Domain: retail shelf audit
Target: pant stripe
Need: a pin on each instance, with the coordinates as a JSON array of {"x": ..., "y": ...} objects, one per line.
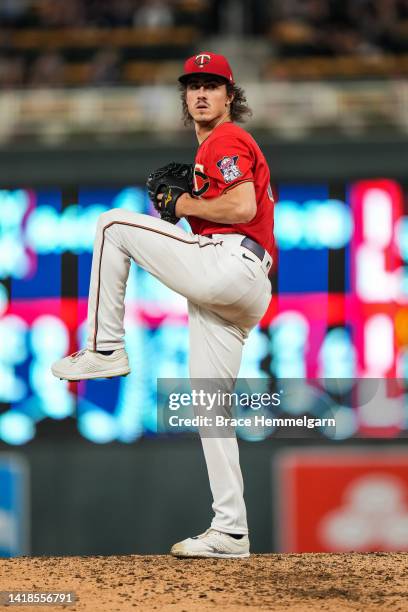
[{"x": 150, "y": 229}]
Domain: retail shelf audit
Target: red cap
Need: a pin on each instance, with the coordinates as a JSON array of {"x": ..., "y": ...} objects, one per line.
[{"x": 207, "y": 63}]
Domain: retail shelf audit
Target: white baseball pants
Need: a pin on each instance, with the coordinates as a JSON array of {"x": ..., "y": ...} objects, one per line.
[{"x": 227, "y": 295}]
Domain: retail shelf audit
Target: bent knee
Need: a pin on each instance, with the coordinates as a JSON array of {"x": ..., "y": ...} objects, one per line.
[
  {"x": 120, "y": 216},
  {"x": 109, "y": 217}
]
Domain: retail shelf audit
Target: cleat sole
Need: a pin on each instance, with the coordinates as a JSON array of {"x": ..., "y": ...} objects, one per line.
[{"x": 101, "y": 377}]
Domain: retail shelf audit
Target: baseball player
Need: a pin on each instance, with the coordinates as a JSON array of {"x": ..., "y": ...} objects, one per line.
[{"x": 221, "y": 267}]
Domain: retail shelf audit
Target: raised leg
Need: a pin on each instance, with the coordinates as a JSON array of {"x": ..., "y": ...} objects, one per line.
[{"x": 180, "y": 260}]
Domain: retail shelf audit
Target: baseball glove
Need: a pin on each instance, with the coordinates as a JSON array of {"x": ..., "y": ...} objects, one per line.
[{"x": 172, "y": 181}]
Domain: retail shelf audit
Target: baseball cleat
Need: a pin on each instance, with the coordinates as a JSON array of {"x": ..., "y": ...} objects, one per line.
[
  {"x": 86, "y": 365},
  {"x": 212, "y": 543}
]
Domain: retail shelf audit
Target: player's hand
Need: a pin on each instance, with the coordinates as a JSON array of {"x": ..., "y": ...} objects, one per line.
[
  {"x": 179, "y": 203},
  {"x": 166, "y": 185}
]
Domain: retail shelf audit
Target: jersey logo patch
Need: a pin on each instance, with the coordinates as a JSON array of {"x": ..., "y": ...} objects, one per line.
[{"x": 229, "y": 168}]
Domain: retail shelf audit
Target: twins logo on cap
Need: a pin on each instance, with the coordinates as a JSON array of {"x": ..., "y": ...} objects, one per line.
[
  {"x": 202, "y": 59},
  {"x": 207, "y": 63}
]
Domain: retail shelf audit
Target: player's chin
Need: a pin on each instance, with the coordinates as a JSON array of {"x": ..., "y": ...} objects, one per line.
[{"x": 203, "y": 116}]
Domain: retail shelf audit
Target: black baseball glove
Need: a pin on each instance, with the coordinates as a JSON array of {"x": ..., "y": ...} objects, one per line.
[{"x": 172, "y": 181}]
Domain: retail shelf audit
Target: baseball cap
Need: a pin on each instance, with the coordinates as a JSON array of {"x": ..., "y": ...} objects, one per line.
[{"x": 207, "y": 63}]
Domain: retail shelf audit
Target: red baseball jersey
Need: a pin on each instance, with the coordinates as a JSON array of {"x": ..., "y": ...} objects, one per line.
[{"x": 227, "y": 157}]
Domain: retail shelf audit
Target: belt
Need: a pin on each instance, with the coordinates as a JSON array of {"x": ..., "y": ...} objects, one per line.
[
  {"x": 256, "y": 249},
  {"x": 259, "y": 252}
]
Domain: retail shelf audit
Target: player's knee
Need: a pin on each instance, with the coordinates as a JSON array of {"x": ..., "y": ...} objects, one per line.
[{"x": 107, "y": 218}]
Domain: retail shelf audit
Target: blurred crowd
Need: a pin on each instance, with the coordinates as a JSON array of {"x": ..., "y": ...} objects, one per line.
[
  {"x": 52, "y": 61},
  {"x": 339, "y": 27},
  {"x": 89, "y": 13},
  {"x": 67, "y": 42}
]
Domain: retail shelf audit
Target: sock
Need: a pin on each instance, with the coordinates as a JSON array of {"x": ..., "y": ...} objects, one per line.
[
  {"x": 236, "y": 536},
  {"x": 105, "y": 352}
]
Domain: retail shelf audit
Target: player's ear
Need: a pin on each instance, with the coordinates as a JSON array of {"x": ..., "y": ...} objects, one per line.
[
  {"x": 229, "y": 100},
  {"x": 230, "y": 96}
]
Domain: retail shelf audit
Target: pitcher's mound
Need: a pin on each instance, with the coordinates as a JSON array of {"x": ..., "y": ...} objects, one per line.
[{"x": 298, "y": 582}]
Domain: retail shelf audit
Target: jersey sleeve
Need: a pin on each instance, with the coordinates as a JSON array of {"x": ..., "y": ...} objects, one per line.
[{"x": 231, "y": 163}]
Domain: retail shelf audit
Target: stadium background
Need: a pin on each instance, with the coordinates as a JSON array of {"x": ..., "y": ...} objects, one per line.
[{"x": 88, "y": 108}]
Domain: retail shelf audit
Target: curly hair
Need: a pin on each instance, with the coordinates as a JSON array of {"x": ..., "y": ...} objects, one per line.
[{"x": 239, "y": 109}]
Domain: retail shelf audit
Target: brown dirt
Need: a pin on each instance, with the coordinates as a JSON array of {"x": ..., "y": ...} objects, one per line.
[{"x": 290, "y": 582}]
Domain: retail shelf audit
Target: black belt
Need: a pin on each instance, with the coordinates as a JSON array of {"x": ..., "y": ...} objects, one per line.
[
  {"x": 254, "y": 247},
  {"x": 257, "y": 250},
  {"x": 249, "y": 244}
]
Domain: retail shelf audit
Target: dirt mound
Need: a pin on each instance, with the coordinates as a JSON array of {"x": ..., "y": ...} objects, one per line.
[{"x": 298, "y": 582}]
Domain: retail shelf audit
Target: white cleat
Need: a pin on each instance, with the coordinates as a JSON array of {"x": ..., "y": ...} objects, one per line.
[
  {"x": 86, "y": 364},
  {"x": 212, "y": 543}
]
